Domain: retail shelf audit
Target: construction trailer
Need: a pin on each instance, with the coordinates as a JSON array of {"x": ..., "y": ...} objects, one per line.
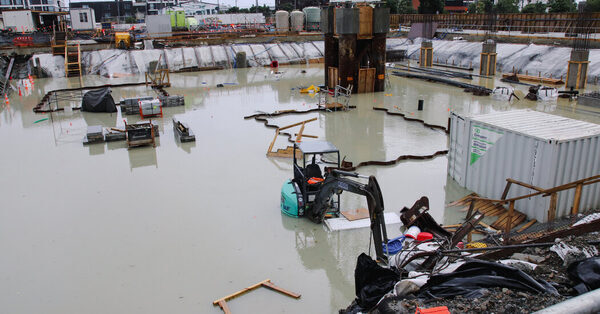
[
  {"x": 355, "y": 44},
  {"x": 82, "y": 19},
  {"x": 19, "y": 21},
  {"x": 28, "y": 21}
]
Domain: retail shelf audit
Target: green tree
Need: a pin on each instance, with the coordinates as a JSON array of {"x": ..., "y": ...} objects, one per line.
[
  {"x": 285, "y": 6},
  {"x": 507, "y": 6},
  {"x": 431, "y": 7},
  {"x": 481, "y": 6},
  {"x": 233, "y": 10},
  {"x": 592, "y": 6},
  {"x": 558, "y": 6},
  {"x": 400, "y": 7},
  {"x": 264, "y": 9},
  {"x": 537, "y": 7}
]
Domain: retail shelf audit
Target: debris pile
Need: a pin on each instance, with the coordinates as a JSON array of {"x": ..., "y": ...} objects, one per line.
[{"x": 438, "y": 270}]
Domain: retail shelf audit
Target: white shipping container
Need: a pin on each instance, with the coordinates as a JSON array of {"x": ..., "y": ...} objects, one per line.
[
  {"x": 537, "y": 148},
  {"x": 158, "y": 25},
  {"x": 18, "y": 21}
]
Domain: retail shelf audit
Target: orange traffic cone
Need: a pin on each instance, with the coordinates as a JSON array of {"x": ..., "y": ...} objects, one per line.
[
  {"x": 20, "y": 94},
  {"x": 6, "y": 99}
]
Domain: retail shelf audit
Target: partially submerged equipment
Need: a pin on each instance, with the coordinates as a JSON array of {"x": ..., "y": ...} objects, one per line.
[
  {"x": 98, "y": 100},
  {"x": 312, "y": 194},
  {"x": 94, "y": 134},
  {"x": 141, "y": 133},
  {"x": 183, "y": 131},
  {"x": 150, "y": 108},
  {"x": 222, "y": 302}
]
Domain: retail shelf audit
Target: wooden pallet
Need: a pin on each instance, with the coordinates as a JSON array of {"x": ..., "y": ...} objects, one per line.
[{"x": 489, "y": 208}]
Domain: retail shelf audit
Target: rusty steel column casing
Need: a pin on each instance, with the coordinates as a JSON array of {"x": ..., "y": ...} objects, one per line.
[
  {"x": 348, "y": 65},
  {"x": 378, "y": 48}
]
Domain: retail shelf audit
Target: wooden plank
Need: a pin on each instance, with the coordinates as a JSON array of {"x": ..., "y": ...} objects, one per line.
[
  {"x": 576, "y": 200},
  {"x": 359, "y": 213},
  {"x": 460, "y": 201},
  {"x": 508, "y": 184},
  {"x": 517, "y": 221},
  {"x": 273, "y": 287},
  {"x": 238, "y": 293},
  {"x": 270, "y": 149},
  {"x": 552, "y": 206},
  {"x": 224, "y": 307},
  {"x": 297, "y": 124},
  {"x": 299, "y": 135},
  {"x": 527, "y": 225},
  {"x": 511, "y": 211}
]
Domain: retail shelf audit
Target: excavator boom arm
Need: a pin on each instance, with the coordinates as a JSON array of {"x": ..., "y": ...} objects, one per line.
[{"x": 335, "y": 183}]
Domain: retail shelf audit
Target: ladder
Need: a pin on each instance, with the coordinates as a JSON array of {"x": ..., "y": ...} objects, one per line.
[
  {"x": 58, "y": 42},
  {"x": 72, "y": 60}
]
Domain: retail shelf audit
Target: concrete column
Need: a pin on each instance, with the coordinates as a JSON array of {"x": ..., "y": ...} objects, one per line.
[
  {"x": 426, "y": 57},
  {"x": 577, "y": 70},
  {"x": 487, "y": 66}
]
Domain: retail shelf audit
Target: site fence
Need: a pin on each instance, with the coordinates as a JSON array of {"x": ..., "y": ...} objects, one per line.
[{"x": 516, "y": 22}]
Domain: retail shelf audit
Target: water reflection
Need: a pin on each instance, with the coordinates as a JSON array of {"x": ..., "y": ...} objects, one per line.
[{"x": 319, "y": 250}]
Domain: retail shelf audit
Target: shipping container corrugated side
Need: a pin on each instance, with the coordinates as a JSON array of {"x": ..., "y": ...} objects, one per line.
[{"x": 536, "y": 148}]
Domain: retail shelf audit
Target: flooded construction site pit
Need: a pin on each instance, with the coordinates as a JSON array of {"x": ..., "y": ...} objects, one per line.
[{"x": 101, "y": 228}]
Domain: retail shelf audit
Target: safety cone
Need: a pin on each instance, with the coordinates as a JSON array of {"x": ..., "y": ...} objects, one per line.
[
  {"x": 20, "y": 94},
  {"x": 6, "y": 99}
]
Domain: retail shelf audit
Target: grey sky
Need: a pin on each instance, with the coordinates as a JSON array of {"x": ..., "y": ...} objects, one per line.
[{"x": 240, "y": 3}]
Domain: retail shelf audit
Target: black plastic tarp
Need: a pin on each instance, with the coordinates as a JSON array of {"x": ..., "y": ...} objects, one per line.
[
  {"x": 586, "y": 274},
  {"x": 471, "y": 279},
  {"x": 98, "y": 100},
  {"x": 372, "y": 281}
]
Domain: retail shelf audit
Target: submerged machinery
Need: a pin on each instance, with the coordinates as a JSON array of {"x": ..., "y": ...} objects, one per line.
[{"x": 314, "y": 195}]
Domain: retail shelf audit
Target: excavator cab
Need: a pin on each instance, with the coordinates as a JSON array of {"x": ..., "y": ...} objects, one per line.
[{"x": 298, "y": 193}]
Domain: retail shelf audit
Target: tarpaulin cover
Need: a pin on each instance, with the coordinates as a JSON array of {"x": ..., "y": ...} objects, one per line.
[
  {"x": 471, "y": 279},
  {"x": 372, "y": 281},
  {"x": 586, "y": 274},
  {"x": 98, "y": 100}
]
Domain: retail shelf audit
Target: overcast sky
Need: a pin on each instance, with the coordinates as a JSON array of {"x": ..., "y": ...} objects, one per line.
[{"x": 240, "y": 3}]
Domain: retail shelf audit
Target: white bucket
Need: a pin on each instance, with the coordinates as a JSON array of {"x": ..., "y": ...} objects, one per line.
[{"x": 412, "y": 232}]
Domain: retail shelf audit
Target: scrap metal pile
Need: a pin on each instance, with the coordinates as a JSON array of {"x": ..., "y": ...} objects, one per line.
[{"x": 433, "y": 268}]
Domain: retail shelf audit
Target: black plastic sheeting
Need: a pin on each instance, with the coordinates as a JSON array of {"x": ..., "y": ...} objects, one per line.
[
  {"x": 98, "y": 100},
  {"x": 471, "y": 280},
  {"x": 372, "y": 281},
  {"x": 585, "y": 274}
]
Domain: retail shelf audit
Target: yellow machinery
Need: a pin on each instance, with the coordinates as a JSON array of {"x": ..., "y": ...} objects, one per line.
[{"x": 122, "y": 40}]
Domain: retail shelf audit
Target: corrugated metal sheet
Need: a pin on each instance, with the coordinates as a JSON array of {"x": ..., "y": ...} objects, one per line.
[
  {"x": 533, "y": 147},
  {"x": 540, "y": 125}
]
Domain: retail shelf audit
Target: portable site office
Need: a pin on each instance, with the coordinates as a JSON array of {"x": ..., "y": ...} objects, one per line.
[{"x": 537, "y": 148}]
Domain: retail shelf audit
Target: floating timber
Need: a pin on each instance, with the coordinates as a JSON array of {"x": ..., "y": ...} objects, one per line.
[{"x": 534, "y": 79}]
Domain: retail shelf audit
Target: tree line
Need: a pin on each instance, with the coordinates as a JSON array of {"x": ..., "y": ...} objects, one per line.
[{"x": 488, "y": 6}]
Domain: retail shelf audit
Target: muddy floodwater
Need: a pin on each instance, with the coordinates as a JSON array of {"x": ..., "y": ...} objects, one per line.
[{"x": 104, "y": 229}]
